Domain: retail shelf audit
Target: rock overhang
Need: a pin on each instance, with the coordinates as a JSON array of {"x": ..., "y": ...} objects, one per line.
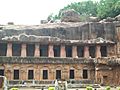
[{"x": 60, "y": 32}]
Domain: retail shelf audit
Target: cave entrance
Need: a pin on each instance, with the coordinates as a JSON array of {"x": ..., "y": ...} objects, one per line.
[
  {"x": 45, "y": 74},
  {"x": 16, "y": 49},
  {"x": 44, "y": 50},
  {"x": 92, "y": 50},
  {"x": 103, "y": 50},
  {"x": 85, "y": 74},
  {"x": 30, "y": 49},
  {"x": 71, "y": 74},
  {"x": 16, "y": 74},
  {"x": 2, "y": 72},
  {"x": 30, "y": 74},
  {"x": 68, "y": 51},
  {"x": 58, "y": 74},
  {"x": 3, "y": 49},
  {"x": 80, "y": 51},
  {"x": 56, "y": 49}
]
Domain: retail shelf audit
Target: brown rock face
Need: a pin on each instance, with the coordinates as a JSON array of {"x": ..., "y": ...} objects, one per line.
[{"x": 70, "y": 16}]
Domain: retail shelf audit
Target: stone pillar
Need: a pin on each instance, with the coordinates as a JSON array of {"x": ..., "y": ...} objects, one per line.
[
  {"x": 9, "y": 50},
  {"x": 23, "y": 50},
  {"x": 37, "y": 51},
  {"x": 98, "y": 52},
  {"x": 62, "y": 51},
  {"x": 50, "y": 51},
  {"x": 86, "y": 52},
  {"x": 96, "y": 74},
  {"x": 74, "y": 52}
]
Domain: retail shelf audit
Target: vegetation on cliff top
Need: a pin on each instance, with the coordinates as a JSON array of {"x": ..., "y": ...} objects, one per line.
[{"x": 102, "y": 9}]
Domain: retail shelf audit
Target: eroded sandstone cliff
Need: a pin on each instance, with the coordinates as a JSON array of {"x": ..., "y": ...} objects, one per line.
[{"x": 60, "y": 31}]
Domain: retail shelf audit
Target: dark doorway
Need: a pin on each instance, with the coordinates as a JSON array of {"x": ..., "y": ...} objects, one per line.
[
  {"x": 105, "y": 80},
  {"x": 3, "y": 49},
  {"x": 16, "y": 49},
  {"x": 30, "y": 74},
  {"x": 85, "y": 74},
  {"x": 71, "y": 74},
  {"x": 2, "y": 72},
  {"x": 80, "y": 51},
  {"x": 45, "y": 74},
  {"x": 16, "y": 74},
  {"x": 30, "y": 49},
  {"x": 103, "y": 50},
  {"x": 92, "y": 51},
  {"x": 56, "y": 50},
  {"x": 58, "y": 74},
  {"x": 68, "y": 51},
  {"x": 44, "y": 50}
]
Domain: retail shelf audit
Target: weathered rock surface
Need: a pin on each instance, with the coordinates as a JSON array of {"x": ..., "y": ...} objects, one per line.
[
  {"x": 59, "y": 31},
  {"x": 108, "y": 19},
  {"x": 117, "y": 17},
  {"x": 70, "y": 16},
  {"x": 93, "y": 19}
]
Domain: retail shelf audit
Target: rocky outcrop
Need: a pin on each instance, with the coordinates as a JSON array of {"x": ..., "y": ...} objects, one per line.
[
  {"x": 70, "y": 16},
  {"x": 117, "y": 17},
  {"x": 108, "y": 19},
  {"x": 93, "y": 19},
  {"x": 59, "y": 31}
]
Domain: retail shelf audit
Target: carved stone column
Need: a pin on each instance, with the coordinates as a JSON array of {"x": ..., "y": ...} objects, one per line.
[
  {"x": 37, "y": 50},
  {"x": 62, "y": 51},
  {"x": 74, "y": 52},
  {"x": 98, "y": 52},
  {"x": 50, "y": 51},
  {"x": 86, "y": 52},
  {"x": 9, "y": 50},
  {"x": 23, "y": 50}
]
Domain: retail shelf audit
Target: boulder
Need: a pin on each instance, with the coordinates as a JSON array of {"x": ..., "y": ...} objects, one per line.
[
  {"x": 109, "y": 19},
  {"x": 93, "y": 19},
  {"x": 102, "y": 21},
  {"x": 117, "y": 17},
  {"x": 70, "y": 16}
]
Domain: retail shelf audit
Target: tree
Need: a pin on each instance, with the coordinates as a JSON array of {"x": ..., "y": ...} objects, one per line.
[
  {"x": 108, "y": 8},
  {"x": 86, "y": 8},
  {"x": 83, "y": 8},
  {"x": 102, "y": 9},
  {"x": 52, "y": 17}
]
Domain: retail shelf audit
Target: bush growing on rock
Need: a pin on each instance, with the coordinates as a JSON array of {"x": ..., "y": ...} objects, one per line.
[
  {"x": 107, "y": 88},
  {"x": 89, "y": 88}
]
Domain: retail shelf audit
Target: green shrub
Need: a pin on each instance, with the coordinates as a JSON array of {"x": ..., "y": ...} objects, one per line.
[
  {"x": 89, "y": 88},
  {"x": 14, "y": 89},
  {"x": 108, "y": 88},
  {"x": 51, "y": 88}
]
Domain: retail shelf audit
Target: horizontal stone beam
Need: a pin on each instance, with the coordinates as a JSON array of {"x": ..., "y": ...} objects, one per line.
[
  {"x": 57, "y": 60},
  {"x": 44, "y": 60}
]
